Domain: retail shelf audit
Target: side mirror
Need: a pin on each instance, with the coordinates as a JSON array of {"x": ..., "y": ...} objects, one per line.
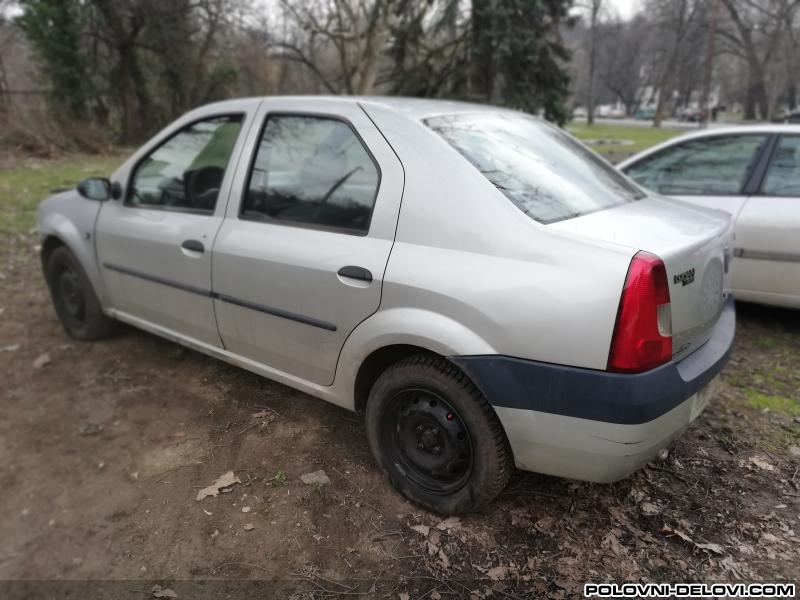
[{"x": 99, "y": 189}]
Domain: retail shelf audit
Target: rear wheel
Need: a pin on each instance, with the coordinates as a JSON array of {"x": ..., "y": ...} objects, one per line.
[
  {"x": 436, "y": 437},
  {"x": 74, "y": 299}
]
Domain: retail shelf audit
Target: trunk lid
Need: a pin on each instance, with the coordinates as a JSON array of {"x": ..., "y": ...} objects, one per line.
[{"x": 694, "y": 244}]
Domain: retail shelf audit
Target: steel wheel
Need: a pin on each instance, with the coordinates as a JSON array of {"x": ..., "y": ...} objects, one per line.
[
  {"x": 72, "y": 297},
  {"x": 429, "y": 441}
]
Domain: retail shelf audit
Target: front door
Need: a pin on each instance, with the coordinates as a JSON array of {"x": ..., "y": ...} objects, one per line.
[
  {"x": 299, "y": 260},
  {"x": 154, "y": 244}
]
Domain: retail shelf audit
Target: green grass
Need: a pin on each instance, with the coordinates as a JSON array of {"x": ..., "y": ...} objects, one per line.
[
  {"x": 640, "y": 137},
  {"x": 759, "y": 400},
  {"x": 280, "y": 478},
  {"x": 25, "y": 183}
]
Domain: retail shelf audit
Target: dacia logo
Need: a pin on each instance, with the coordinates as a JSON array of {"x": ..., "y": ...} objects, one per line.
[{"x": 685, "y": 278}]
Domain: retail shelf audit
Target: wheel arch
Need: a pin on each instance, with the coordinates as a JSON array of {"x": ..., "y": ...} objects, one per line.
[
  {"x": 391, "y": 335},
  {"x": 49, "y": 244},
  {"x": 376, "y": 363},
  {"x": 59, "y": 229}
]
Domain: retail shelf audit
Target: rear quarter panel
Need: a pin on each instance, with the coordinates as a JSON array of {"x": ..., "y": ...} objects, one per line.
[{"x": 465, "y": 254}]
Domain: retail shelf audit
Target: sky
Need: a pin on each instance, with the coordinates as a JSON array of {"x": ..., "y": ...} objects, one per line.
[{"x": 625, "y": 8}]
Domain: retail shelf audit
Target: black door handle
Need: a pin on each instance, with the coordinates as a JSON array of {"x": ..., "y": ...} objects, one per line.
[
  {"x": 355, "y": 273},
  {"x": 193, "y": 245}
]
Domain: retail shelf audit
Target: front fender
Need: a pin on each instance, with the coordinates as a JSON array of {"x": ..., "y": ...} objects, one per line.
[{"x": 71, "y": 219}]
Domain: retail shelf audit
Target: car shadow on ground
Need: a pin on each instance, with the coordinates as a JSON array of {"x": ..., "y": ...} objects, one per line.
[{"x": 786, "y": 320}]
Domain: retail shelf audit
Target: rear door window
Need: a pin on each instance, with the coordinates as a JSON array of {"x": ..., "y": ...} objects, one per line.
[
  {"x": 312, "y": 171},
  {"x": 711, "y": 166}
]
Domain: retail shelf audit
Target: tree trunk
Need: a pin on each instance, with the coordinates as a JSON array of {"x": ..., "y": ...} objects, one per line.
[
  {"x": 377, "y": 34},
  {"x": 482, "y": 77},
  {"x": 595, "y": 9}
]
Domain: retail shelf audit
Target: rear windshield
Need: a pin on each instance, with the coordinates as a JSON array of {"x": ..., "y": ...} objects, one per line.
[{"x": 541, "y": 169}]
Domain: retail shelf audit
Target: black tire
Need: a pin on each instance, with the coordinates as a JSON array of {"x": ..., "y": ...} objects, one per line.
[
  {"x": 436, "y": 437},
  {"x": 74, "y": 299}
]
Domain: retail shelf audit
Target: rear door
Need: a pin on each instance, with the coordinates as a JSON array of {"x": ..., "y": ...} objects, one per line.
[
  {"x": 154, "y": 243},
  {"x": 767, "y": 247},
  {"x": 299, "y": 260}
]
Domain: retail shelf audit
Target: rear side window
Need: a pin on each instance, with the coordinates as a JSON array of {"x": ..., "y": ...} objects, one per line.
[
  {"x": 312, "y": 171},
  {"x": 783, "y": 175},
  {"x": 542, "y": 170},
  {"x": 717, "y": 165},
  {"x": 186, "y": 171}
]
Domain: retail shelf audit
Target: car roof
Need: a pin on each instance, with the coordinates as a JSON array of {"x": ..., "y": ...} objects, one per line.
[
  {"x": 747, "y": 128},
  {"x": 714, "y": 131},
  {"x": 413, "y": 108}
]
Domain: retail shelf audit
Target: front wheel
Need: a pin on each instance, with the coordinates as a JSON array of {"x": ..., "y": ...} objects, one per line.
[
  {"x": 74, "y": 299},
  {"x": 436, "y": 436}
]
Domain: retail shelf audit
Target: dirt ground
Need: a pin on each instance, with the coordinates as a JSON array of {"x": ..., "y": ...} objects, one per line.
[{"x": 105, "y": 447}]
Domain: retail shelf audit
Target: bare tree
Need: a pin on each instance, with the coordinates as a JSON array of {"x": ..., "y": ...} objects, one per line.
[
  {"x": 355, "y": 33},
  {"x": 758, "y": 28},
  {"x": 622, "y": 52},
  {"x": 676, "y": 20}
]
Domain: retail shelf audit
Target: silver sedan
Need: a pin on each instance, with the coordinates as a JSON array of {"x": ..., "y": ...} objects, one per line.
[{"x": 485, "y": 290}]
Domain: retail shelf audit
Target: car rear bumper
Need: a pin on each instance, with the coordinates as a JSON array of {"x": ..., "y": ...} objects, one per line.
[{"x": 596, "y": 425}]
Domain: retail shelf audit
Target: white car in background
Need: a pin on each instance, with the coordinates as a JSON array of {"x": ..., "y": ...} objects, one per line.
[
  {"x": 485, "y": 290},
  {"x": 753, "y": 173}
]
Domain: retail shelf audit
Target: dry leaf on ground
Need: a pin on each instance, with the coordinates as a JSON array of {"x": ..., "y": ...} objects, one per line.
[
  {"x": 223, "y": 481},
  {"x": 159, "y": 592}
]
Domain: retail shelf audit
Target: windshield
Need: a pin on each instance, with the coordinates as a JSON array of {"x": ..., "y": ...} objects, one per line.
[{"x": 541, "y": 169}]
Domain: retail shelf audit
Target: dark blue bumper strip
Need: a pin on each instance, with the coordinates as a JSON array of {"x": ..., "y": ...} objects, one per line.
[{"x": 622, "y": 398}]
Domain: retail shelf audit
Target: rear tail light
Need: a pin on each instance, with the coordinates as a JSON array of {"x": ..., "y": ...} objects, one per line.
[{"x": 643, "y": 332}]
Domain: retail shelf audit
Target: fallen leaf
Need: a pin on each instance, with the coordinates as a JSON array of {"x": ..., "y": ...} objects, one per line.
[
  {"x": 423, "y": 530},
  {"x": 246, "y": 509},
  {"x": 90, "y": 429},
  {"x": 11, "y": 348},
  {"x": 768, "y": 537},
  {"x": 715, "y": 548},
  {"x": 41, "y": 361},
  {"x": 611, "y": 542},
  {"x": 649, "y": 508},
  {"x": 318, "y": 477},
  {"x": 444, "y": 560},
  {"x": 669, "y": 532},
  {"x": 260, "y": 414},
  {"x": 497, "y": 573},
  {"x": 449, "y": 523},
  {"x": 435, "y": 595},
  {"x": 159, "y": 592},
  {"x": 794, "y": 450},
  {"x": 249, "y": 526},
  {"x": 761, "y": 463},
  {"x": 403, "y": 596},
  {"x": 223, "y": 481},
  {"x": 544, "y": 525}
]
